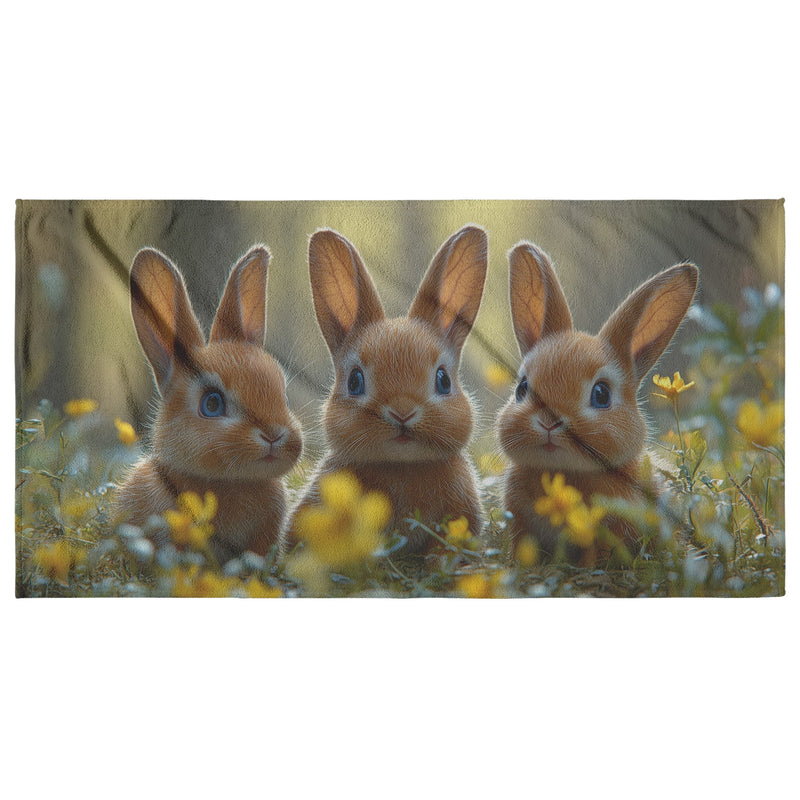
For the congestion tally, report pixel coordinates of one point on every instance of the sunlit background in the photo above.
(75, 337)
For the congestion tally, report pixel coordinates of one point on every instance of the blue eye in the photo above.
(601, 395)
(355, 383)
(522, 390)
(212, 403)
(442, 381)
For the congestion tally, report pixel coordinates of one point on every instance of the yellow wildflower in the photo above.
(761, 425)
(458, 532)
(192, 582)
(346, 527)
(339, 491)
(255, 588)
(498, 376)
(527, 552)
(55, 560)
(125, 432)
(671, 388)
(191, 523)
(77, 408)
(478, 585)
(582, 523)
(559, 499)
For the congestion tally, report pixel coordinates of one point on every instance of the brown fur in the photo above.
(228, 455)
(429, 472)
(599, 451)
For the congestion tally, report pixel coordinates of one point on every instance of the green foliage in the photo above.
(716, 530)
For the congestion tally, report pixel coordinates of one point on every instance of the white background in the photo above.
(297, 100)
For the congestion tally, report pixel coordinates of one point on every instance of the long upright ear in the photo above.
(643, 325)
(538, 305)
(242, 312)
(450, 293)
(162, 313)
(345, 298)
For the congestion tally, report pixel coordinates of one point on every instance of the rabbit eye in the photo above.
(355, 383)
(212, 403)
(522, 389)
(601, 395)
(442, 381)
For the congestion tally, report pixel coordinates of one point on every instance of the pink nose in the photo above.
(273, 440)
(402, 420)
(551, 428)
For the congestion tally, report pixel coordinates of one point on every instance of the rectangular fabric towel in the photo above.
(476, 399)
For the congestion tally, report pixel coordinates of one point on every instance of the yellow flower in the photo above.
(671, 388)
(346, 527)
(527, 552)
(478, 585)
(458, 532)
(497, 376)
(255, 588)
(125, 432)
(191, 523)
(192, 582)
(55, 561)
(339, 491)
(761, 425)
(559, 499)
(582, 523)
(77, 408)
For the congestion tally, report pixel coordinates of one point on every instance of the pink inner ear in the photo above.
(345, 298)
(162, 313)
(449, 295)
(643, 325)
(538, 305)
(458, 295)
(241, 315)
(252, 305)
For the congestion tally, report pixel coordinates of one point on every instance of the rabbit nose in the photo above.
(273, 435)
(402, 420)
(549, 428)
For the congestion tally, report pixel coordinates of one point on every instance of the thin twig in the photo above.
(763, 526)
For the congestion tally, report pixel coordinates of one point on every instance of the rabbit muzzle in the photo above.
(274, 437)
(403, 421)
(537, 423)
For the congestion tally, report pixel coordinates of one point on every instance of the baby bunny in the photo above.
(397, 417)
(223, 424)
(575, 407)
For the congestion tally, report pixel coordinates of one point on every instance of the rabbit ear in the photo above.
(242, 312)
(162, 313)
(450, 293)
(643, 325)
(345, 298)
(538, 304)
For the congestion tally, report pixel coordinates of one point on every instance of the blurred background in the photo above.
(75, 337)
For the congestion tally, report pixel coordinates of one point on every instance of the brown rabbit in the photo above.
(575, 409)
(223, 423)
(397, 417)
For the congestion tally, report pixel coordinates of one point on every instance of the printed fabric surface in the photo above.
(476, 399)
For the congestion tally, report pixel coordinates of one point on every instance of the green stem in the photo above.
(680, 436)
